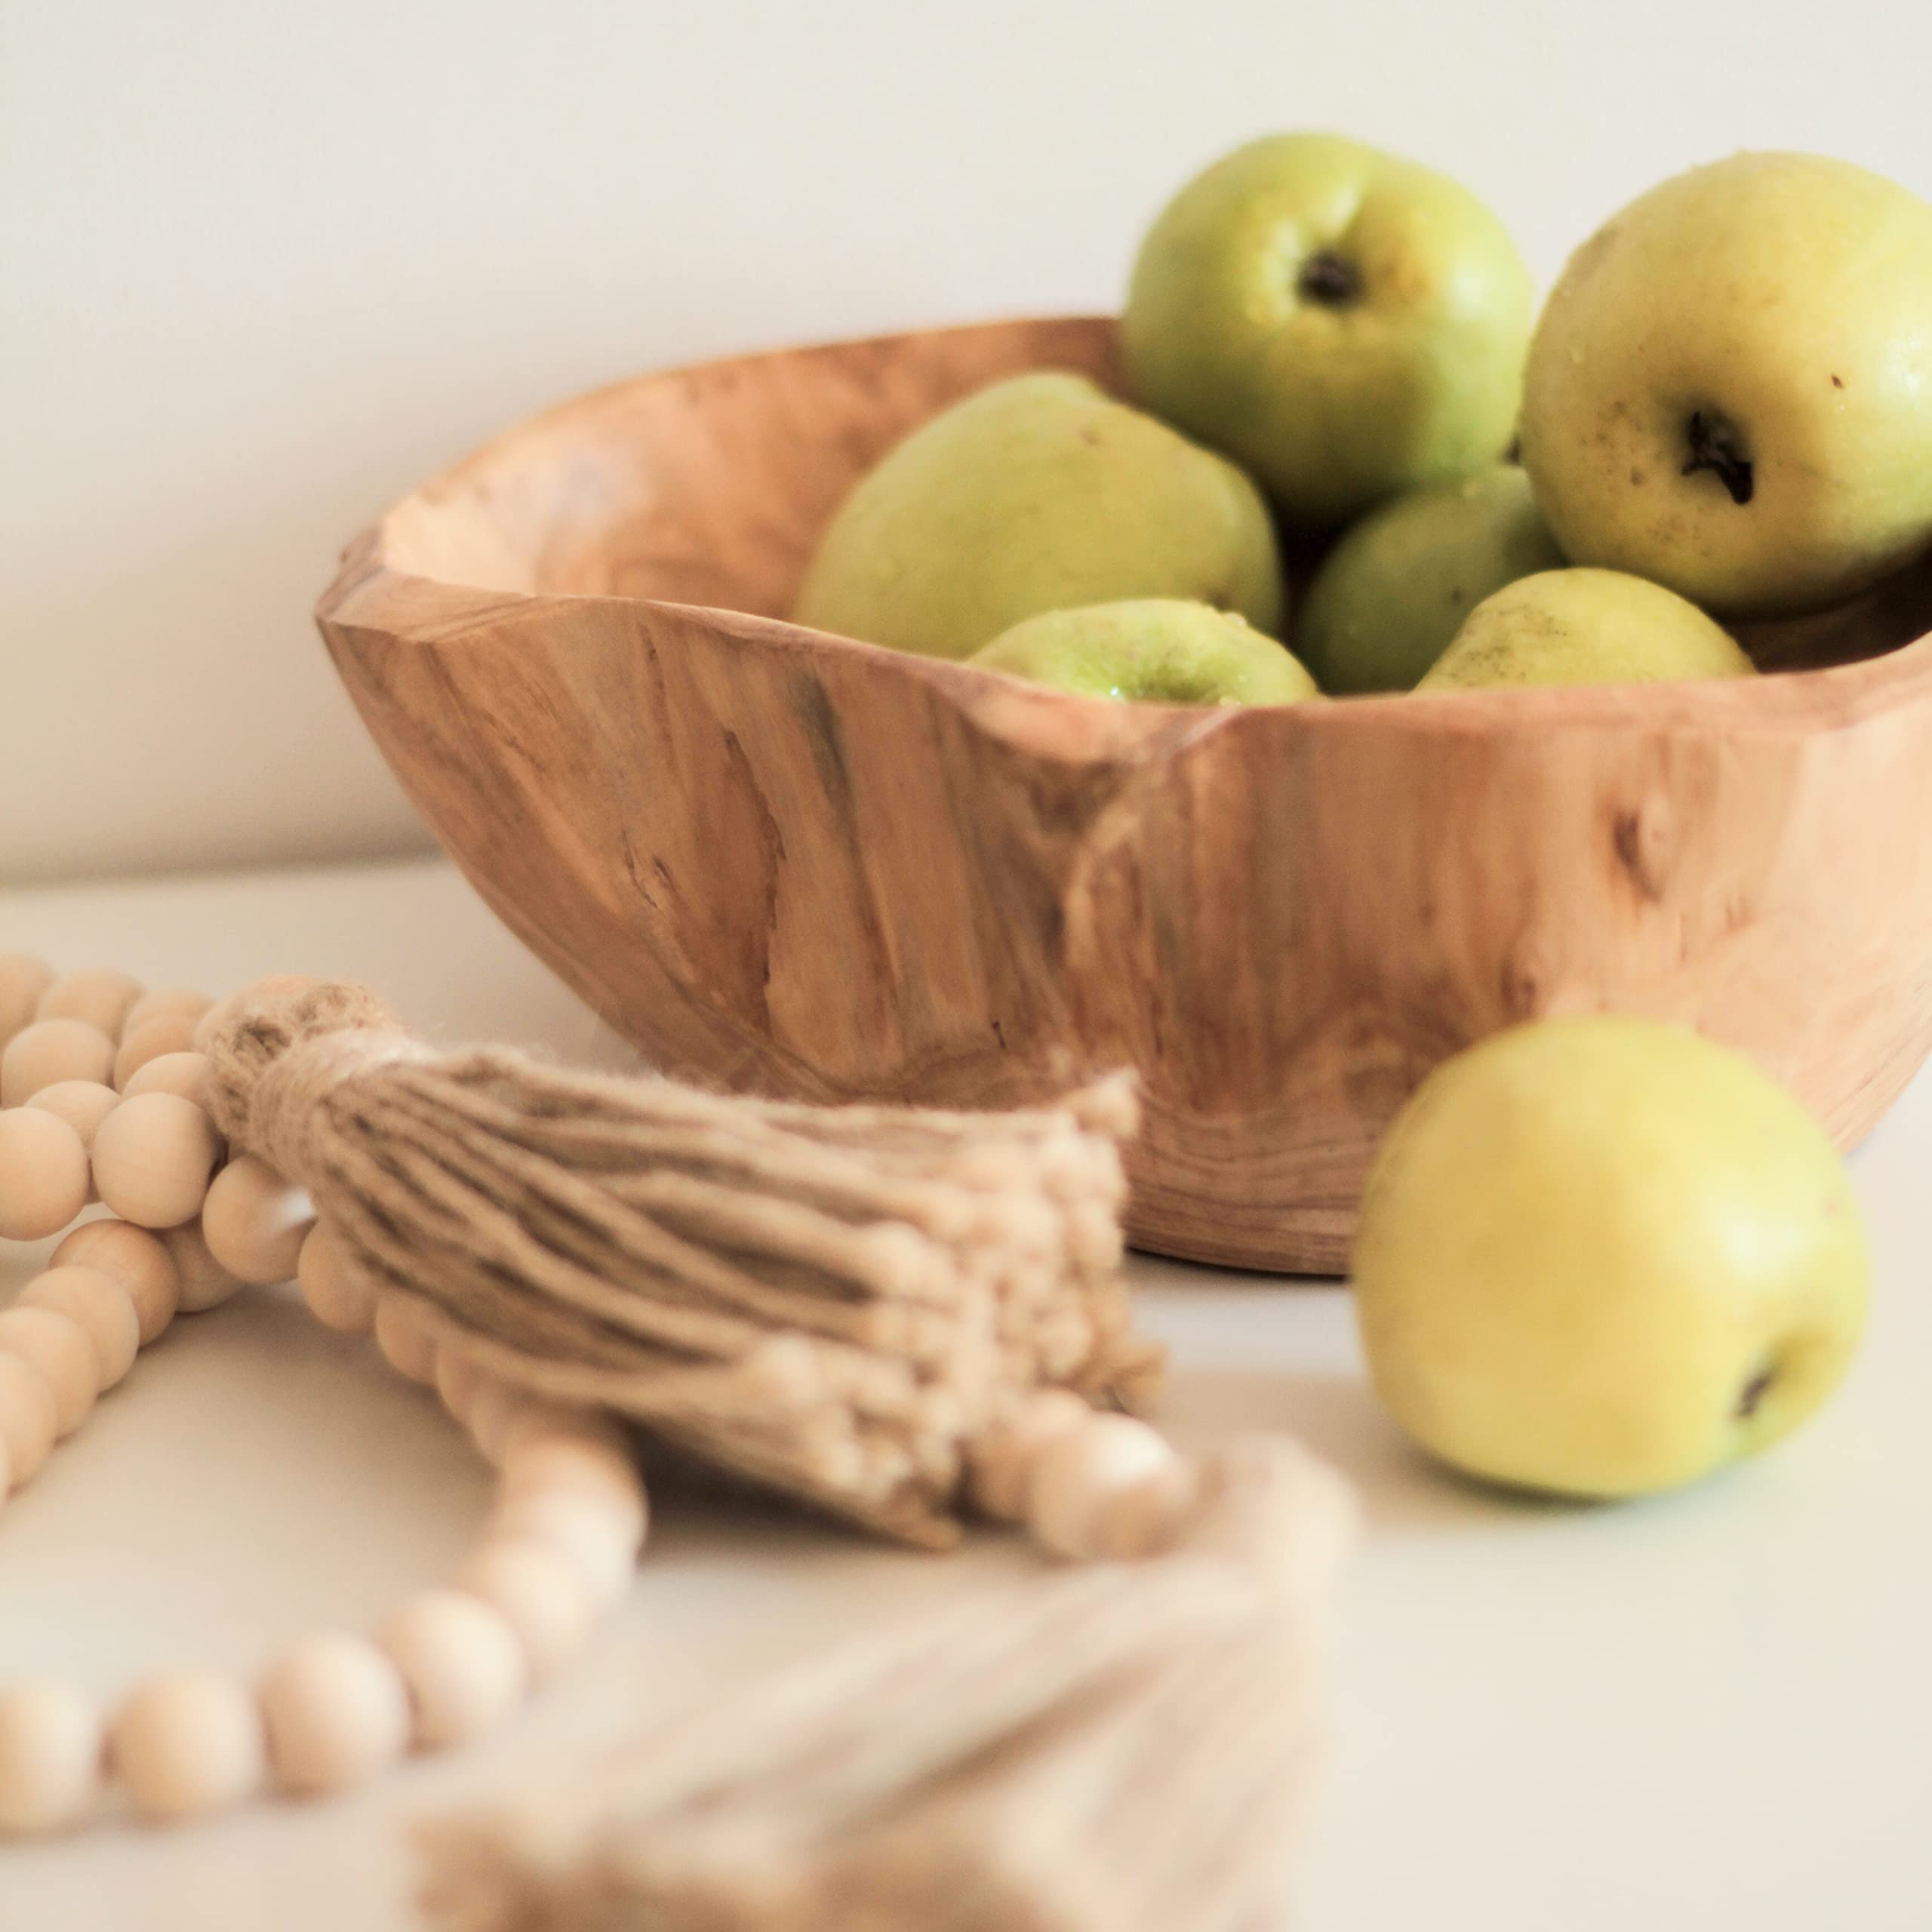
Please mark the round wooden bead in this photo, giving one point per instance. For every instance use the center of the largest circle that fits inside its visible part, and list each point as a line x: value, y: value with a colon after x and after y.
x: 30, y: 1419
x: 49, y: 1051
x: 1143, y: 1518
x: 138, y: 1260
x: 462, y: 1661
x: 22, y: 979
x: 165, y: 1000
x: 1000, y: 1465
x: 408, y: 1344
x: 49, y: 1755
x: 82, y: 1104
x: 540, y: 1593
x: 254, y: 1222
x: 188, y: 1742
x: 205, y: 1283
x: 340, y: 1295
x: 43, y: 1174
x: 336, y: 1711
x: 597, y: 1532
x: 1079, y: 1474
x: 184, y: 1073
x: 100, y: 996
x: 102, y: 1306
x: 459, y: 1375
x: 56, y: 1347
x: 494, y: 1406
x: 165, y: 1033
x: 153, y: 1159
x: 592, y: 1459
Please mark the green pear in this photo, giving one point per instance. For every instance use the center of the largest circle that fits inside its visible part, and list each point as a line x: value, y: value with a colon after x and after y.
x: 1037, y: 493
x: 1731, y: 389
x: 1602, y: 1255
x: 1584, y: 626
x: 1159, y: 649
x: 1396, y: 587
x: 1344, y: 323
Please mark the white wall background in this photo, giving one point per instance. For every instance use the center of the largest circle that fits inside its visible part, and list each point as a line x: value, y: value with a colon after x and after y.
x: 266, y: 263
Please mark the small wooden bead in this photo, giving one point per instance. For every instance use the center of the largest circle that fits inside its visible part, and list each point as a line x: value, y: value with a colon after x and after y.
x: 49, y: 1051
x: 462, y: 1661
x: 540, y: 1593
x: 82, y: 1104
x: 163, y: 1001
x: 584, y: 1458
x: 597, y: 1532
x: 43, y: 1174
x: 406, y: 1339
x: 340, y: 1295
x: 205, y: 1283
x: 254, y: 1222
x: 102, y: 1306
x: 1079, y: 1476
x: 50, y: 1740
x: 1000, y: 1465
x: 138, y: 1260
x: 56, y: 1347
x: 100, y: 996
x: 188, y: 1742
x: 337, y: 1711
x: 153, y: 1157
x: 30, y: 1419
x: 459, y: 1375
x: 494, y: 1407
x: 1142, y: 1519
x: 185, y: 1073
x: 22, y: 979
x: 141, y: 1046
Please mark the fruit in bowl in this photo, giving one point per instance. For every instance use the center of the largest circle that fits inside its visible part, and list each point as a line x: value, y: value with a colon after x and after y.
x: 1039, y: 493
x: 1398, y: 585
x: 1581, y: 626
x: 1600, y: 1256
x: 1730, y: 388
x: 1158, y: 650
x: 1345, y: 323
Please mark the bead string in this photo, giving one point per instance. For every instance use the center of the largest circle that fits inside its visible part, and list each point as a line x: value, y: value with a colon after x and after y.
x: 103, y: 1090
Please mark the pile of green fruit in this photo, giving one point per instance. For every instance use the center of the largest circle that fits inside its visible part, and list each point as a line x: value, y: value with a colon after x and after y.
x: 1725, y: 412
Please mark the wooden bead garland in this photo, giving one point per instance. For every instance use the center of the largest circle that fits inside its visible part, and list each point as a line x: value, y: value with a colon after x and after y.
x: 190, y: 1227
x: 187, y: 1229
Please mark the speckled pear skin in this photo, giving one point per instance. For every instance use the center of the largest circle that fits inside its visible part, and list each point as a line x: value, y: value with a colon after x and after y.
x: 1038, y: 493
x: 1151, y: 650
x: 1585, y: 627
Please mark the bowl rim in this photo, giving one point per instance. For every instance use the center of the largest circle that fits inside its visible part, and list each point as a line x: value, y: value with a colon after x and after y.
x: 371, y: 591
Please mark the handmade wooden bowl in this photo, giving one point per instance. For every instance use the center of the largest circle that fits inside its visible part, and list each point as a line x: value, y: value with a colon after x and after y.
x: 781, y: 860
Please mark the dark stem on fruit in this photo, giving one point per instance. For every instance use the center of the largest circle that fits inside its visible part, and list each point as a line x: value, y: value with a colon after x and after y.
x: 1329, y: 280
x: 1717, y: 447
x: 1752, y: 1393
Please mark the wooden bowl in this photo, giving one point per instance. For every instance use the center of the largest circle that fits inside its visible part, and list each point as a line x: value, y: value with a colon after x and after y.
x: 781, y: 860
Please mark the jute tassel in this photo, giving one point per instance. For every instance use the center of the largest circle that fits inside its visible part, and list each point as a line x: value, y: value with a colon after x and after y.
x: 1115, y: 1748
x: 829, y: 1301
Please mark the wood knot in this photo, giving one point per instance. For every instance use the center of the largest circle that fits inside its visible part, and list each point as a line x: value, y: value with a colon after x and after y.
x: 1641, y: 839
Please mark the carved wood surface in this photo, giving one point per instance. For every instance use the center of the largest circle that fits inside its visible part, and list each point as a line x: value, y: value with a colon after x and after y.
x: 783, y: 861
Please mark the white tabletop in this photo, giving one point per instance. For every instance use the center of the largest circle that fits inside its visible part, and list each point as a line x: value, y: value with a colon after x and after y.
x: 1711, y: 1710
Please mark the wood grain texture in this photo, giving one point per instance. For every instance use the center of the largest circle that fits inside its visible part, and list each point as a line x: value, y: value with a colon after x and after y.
x: 786, y: 862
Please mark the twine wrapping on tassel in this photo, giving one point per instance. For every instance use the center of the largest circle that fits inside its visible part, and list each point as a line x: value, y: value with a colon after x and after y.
x: 1120, y: 1748
x: 831, y: 1301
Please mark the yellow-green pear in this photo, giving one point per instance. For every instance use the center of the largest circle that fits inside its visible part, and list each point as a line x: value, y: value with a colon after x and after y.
x: 1345, y: 323
x: 1159, y: 650
x: 1038, y: 493
x: 1399, y: 582
x: 1730, y: 388
x: 1584, y: 626
x: 1602, y: 1256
